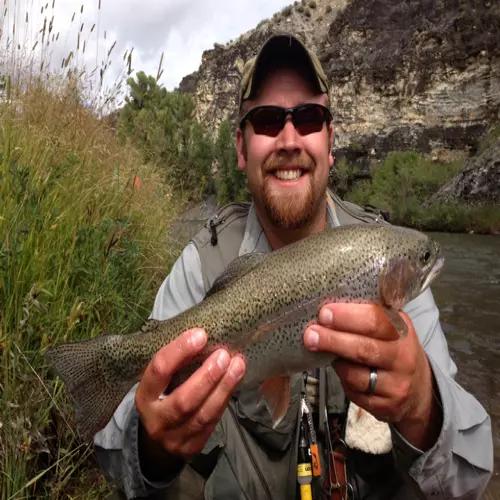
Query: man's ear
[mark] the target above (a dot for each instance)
(241, 149)
(331, 136)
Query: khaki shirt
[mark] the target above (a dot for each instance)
(458, 466)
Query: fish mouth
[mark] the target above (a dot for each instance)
(432, 274)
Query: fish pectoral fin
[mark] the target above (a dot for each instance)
(276, 394)
(394, 281)
(397, 321)
(236, 270)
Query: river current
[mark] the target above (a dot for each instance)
(468, 295)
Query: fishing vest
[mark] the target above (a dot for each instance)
(218, 242)
(245, 458)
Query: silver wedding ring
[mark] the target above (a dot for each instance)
(373, 381)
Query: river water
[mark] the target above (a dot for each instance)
(468, 295)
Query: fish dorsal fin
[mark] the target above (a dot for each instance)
(238, 268)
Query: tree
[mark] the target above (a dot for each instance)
(231, 185)
(163, 126)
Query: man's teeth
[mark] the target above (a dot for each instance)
(288, 175)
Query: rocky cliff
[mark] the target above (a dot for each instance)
(404, 74)
(478, 182)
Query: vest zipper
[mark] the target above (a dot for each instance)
(265, 486)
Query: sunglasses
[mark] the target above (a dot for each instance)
(270, 120)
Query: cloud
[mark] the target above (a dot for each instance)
(182, 29)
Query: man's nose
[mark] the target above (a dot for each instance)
(289, 138)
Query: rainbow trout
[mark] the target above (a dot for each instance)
(259, 308)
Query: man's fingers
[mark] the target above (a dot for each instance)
(167, 361)
(187, 399)
(356, 348)
(213, 408)
(364, 319)
(357, 378)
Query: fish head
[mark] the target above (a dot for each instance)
(412, 262)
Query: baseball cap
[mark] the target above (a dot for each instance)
(280, 46)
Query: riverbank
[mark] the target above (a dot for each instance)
(406, 186)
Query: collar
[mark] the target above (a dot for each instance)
(255, 239)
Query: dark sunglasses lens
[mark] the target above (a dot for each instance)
(309, 119)
(267, 122)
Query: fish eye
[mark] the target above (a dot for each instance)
(426, 256)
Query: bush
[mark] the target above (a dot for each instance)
(162, 125)
(489, 139)
(312, 4)
(307, 12)
(403, 184)
(343, 176)
(231, 182)
(328, 9)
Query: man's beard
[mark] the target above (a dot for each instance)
(296, 209)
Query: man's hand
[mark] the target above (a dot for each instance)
(364, 338)
(182, 421)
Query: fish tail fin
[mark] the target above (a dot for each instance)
(83, 368)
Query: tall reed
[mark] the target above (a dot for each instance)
(83, 249)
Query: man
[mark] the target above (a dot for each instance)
(423, 436)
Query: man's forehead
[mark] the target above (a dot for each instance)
(287, 83)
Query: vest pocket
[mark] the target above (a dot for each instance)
(256, 418)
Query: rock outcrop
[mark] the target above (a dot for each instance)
(478, 182)
(404, 74)
(215, 85)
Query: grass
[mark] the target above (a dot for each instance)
(83, 250)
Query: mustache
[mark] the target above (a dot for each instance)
(301, 160)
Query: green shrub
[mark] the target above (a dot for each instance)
(231, 181)
(162, 125)
(402, 184)
(343, 176)
(489, 139)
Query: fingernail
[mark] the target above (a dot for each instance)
(326, 317)
(223, 360)
(236, 368)
(312, 339)
(198, 338)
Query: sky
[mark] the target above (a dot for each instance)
(181, 29)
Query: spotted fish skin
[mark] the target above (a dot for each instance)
(259, 309)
